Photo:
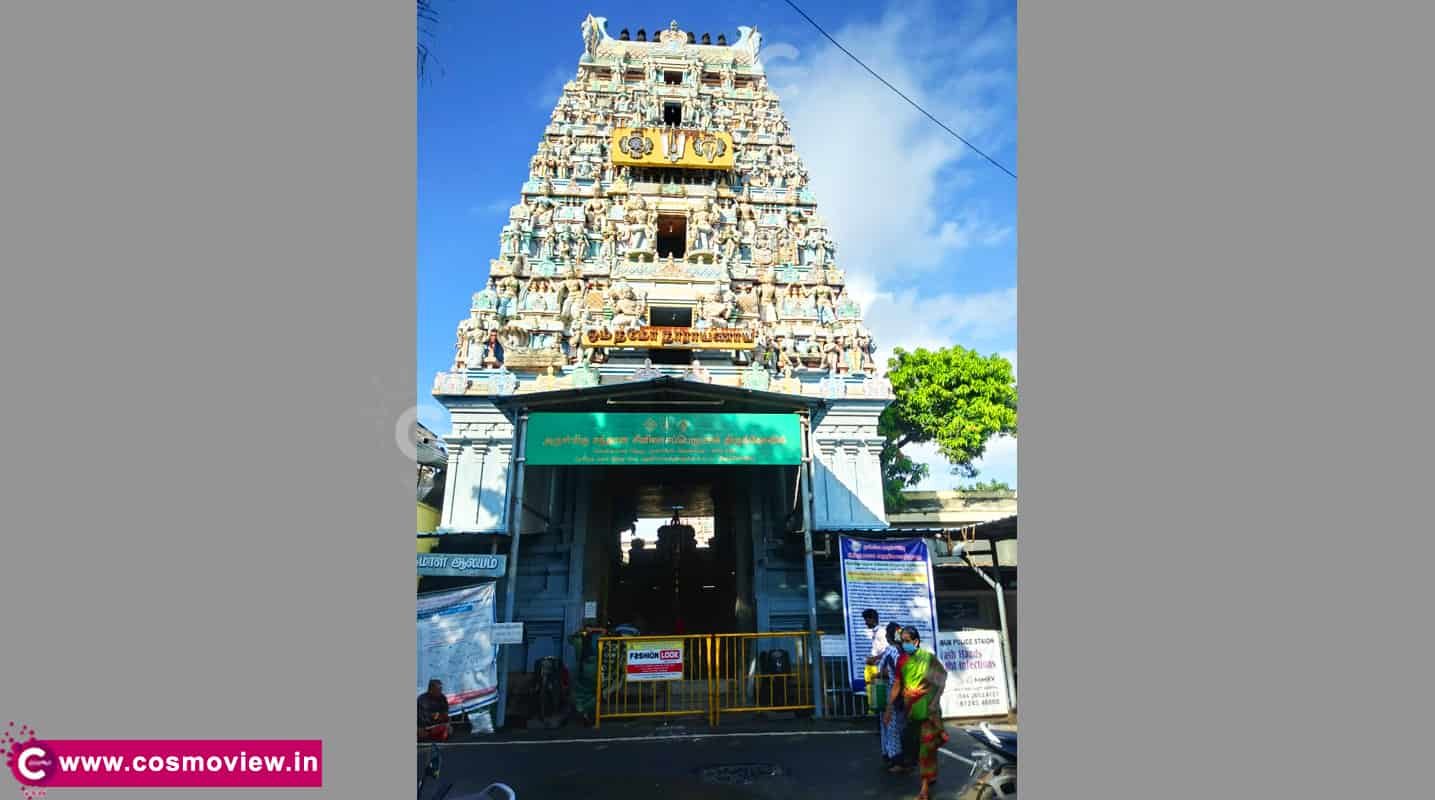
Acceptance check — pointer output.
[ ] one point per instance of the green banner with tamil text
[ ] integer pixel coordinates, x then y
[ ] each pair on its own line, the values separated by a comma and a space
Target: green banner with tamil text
601, 439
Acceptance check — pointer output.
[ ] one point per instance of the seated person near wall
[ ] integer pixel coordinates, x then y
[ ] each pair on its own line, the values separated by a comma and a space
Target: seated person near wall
433, 713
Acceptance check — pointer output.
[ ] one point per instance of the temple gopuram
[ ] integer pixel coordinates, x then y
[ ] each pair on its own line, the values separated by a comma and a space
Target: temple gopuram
666, 227
664, 342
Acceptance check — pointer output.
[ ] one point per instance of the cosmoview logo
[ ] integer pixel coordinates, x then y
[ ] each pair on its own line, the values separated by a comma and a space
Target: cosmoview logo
40, 766
35, 762
31, 761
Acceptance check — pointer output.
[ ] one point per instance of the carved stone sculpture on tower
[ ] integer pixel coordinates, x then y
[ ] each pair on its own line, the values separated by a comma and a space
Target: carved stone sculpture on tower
702, 228
727, 243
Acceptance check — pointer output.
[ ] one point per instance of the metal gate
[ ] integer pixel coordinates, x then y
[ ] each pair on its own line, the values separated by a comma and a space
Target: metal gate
638, 676
839, 701
703, 675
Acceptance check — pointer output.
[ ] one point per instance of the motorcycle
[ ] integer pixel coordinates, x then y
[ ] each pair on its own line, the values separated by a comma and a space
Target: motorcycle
993, 773
493, 791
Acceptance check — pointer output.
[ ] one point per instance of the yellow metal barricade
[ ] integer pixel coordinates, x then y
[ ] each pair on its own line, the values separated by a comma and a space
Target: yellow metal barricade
653, 676
761, 672
703, 675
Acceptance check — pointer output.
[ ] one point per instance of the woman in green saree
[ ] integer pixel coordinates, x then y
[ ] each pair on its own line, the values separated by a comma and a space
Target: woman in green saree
920, 679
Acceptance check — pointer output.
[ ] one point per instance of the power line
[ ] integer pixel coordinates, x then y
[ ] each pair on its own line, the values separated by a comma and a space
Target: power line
839, 46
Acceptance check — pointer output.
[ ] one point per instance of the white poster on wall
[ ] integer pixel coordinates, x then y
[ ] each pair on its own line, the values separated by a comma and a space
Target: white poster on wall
455, 645
976, 674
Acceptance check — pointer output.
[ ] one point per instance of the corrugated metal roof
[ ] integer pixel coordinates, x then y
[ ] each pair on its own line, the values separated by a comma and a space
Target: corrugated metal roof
1003, 528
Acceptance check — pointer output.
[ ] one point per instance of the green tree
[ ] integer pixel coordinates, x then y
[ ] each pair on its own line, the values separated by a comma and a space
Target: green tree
955, 397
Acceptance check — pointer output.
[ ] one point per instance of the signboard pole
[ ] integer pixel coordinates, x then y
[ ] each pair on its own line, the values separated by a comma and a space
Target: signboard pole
515, 528
1001, 614
814, 647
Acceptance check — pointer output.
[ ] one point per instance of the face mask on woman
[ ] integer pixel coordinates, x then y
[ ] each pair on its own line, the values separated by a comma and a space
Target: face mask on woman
909, 647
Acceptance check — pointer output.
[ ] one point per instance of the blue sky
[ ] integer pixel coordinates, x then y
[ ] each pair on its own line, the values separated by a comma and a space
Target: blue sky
926, 229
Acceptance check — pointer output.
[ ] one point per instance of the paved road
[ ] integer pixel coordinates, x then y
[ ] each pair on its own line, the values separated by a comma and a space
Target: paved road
825, 763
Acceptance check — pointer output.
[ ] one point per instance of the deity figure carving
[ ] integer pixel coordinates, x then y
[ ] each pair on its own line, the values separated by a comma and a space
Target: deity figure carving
796, 177
507, 297
757, 177
629, 310
796, 224
543, 217
787, 251
787, 308
617, 290
595, 211
702, 228
715, 310
764, 247
466, 328
826, 313
747, 302
788, 357
866, 363
650, 229
767, 298
852, 362
807, 303
728, 243
563, 243
774, 157
492, 352
826, 251
742, 119
572, 291
486, 299
749, 231
831, 354
608, 250
509, 239
577, 353
580, 243
813, 253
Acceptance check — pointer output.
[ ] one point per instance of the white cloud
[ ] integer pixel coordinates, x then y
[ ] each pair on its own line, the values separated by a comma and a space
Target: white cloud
780, 51
909, 319
883, 173
998, 463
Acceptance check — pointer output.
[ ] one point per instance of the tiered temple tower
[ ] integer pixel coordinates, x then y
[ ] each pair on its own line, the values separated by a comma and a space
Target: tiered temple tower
667, 227
666, 235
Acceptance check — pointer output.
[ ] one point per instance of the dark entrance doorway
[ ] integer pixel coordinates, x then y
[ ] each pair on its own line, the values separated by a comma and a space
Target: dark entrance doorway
682, 577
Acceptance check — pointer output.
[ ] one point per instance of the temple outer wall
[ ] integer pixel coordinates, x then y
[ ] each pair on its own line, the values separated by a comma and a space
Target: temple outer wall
847, 474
